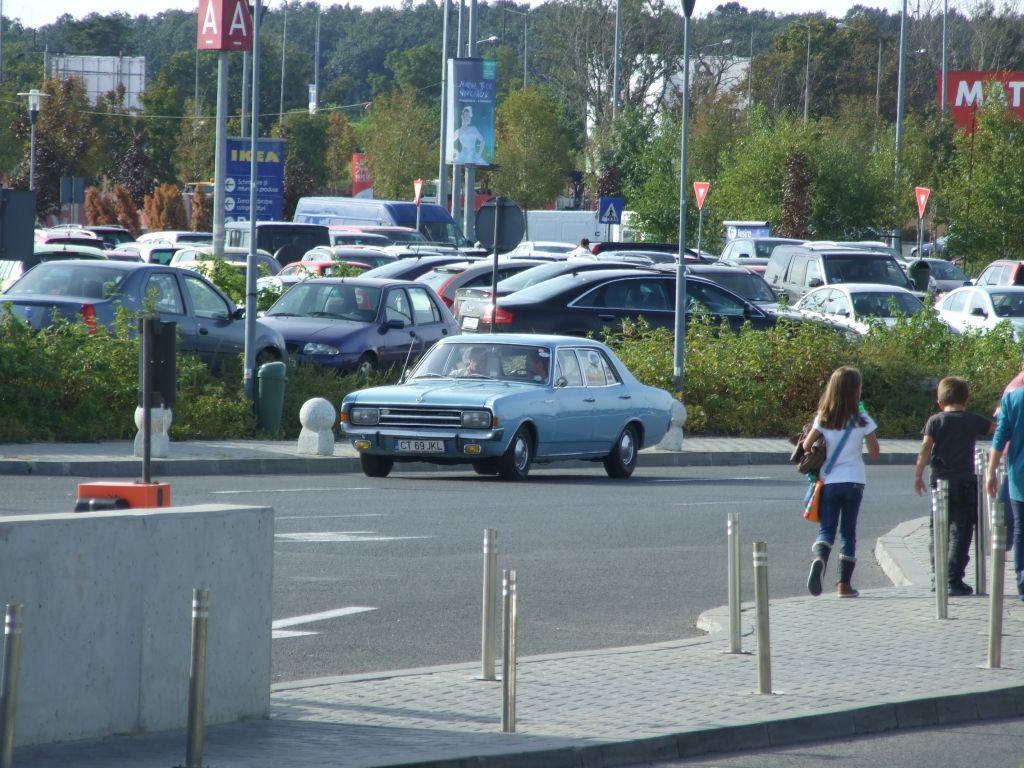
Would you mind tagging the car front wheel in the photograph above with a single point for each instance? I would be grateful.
(375, 466)
(621, 462)
(514, 464)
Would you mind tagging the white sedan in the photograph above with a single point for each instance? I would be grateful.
(857, 305)
(983, 307)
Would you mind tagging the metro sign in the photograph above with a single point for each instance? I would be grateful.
(224, 25)
(967, 91)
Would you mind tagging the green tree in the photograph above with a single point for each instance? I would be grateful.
(194, 153)
(163, 107)
(400, 137)
(531, 149)
(341, 143)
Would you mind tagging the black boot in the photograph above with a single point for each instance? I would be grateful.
(821, 552)
(846, 566)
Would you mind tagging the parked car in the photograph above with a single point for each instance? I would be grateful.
(177, 237)
(285, 240)
(208, 324)
(942, 275)
(372, 257)
(298, 271)
(585, 405)
(411, 267)
(983, 307)
(633, 256)
(745, 282)
(752, 252)
(79, 238)
(192, 256)
(932, 248)
(473, 300)
(588, 302)
(793, 270)
(447, 279)
(154, 252)
(112, 235)
(1002, 272)
(542, 247)
(349, 236)
(359, 323)
(14, 268)
(855, 306)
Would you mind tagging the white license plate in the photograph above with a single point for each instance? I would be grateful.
(420, 446)
(470, 322)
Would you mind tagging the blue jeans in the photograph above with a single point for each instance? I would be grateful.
(840, 503)
(1018, 542)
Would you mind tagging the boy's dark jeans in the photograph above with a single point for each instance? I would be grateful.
(963, 516)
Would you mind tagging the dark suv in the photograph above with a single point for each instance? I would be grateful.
(795, 269)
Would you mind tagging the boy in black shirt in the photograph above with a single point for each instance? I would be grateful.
(948, 443)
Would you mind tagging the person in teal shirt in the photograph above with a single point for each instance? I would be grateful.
(1011, 422)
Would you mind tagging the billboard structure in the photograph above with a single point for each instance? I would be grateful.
(103, 74)
(471, 104)
(966, 91)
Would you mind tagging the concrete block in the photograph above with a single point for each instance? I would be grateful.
(673, 440)
(317, 436)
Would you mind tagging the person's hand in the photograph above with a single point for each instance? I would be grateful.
(919, 485)
(993, 484)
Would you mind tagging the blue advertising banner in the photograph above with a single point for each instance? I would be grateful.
(269, 179)
(471, 103)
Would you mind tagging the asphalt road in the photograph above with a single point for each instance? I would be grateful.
(374, 575)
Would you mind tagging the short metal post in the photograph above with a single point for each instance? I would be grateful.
(733, 536)
(940, 554)
(9, 692)
(508, 656)
(981, 530)
(764, 651)
(995, 603)
(487, 612)
(197, 679)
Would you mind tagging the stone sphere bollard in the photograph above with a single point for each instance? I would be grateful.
(673, 439)
(159, 432)
(317, 436)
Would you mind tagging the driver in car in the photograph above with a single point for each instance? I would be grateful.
(475, 366)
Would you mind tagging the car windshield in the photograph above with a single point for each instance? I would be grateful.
(878, 304)
(864, 269)
(943, 270)
(331, 300)
(747, 285)
(1006, 304)
(506, 362)
(764, 248)
(61, 278)
(531, 276)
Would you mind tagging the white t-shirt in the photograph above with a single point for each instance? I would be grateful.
(849, 466)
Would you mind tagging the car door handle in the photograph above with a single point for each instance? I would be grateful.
(606, 317)
(203, 331)
(625, 397)
(589, 399)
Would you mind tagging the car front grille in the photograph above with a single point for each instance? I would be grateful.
(437, 418)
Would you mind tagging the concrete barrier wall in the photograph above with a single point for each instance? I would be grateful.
(106, 641)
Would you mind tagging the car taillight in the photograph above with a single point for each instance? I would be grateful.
(89, 316)
(489, 316)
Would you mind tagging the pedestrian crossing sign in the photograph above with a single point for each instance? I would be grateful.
(609, 210)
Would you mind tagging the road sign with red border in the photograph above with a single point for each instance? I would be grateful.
(921, 193)
(224, 25)
(700, 191)
(417, 187)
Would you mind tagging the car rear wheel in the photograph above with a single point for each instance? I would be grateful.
(621, 462)
(486, 467)
(514, 464)
(375, 466)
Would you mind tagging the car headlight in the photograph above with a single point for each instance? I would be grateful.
(312, 348)
(364, 417)
(476, 419)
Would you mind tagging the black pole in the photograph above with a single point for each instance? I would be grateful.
(146, 353)
(494, 274)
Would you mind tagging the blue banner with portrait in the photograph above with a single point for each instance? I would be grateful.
(472, 87)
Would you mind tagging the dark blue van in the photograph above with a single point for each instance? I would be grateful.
(436, 224)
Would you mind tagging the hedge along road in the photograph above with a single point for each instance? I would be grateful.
(600, 563)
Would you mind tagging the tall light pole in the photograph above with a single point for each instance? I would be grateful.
(679, 347)
(442, 168)
(284, 45)
(945, 48)
(807, 75)
(35, 101)
(901, 77)
(750, 76)
(618, 55)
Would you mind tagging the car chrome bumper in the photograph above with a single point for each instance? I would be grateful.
(382, 441)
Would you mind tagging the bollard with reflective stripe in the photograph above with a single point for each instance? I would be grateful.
(764, 651)
(981, 535)
(487, 613)
(940, 545)
(197, 680)
(508, 677)
(9, 692)
(995, 603)
(733, 537)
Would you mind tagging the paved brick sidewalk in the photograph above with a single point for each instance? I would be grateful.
(839, 668)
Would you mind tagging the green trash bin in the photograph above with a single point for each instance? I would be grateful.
(270, 379)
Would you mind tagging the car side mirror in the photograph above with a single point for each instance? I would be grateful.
(561, 382)
(843, 312)
(393, 324)
(238, 314)
(979, 312)
(814, 282)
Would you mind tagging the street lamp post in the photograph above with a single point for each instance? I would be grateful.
(615, 63)
(442, 170)
(807, 75)
(679, 347)
(901, 78)
(945, 68)
(35, 101)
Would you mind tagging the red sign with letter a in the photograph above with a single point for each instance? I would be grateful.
(224, 25)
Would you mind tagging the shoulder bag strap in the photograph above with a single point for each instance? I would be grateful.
(839, 448)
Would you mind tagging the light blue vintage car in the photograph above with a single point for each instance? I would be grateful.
(503, 402)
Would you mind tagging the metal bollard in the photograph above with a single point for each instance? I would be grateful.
(940, 547)
(197, 679)
(995, 603)
(981, 531)
(764, 651)
(487, 613)
(508, 655)
(9, 692)
(735, 627)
